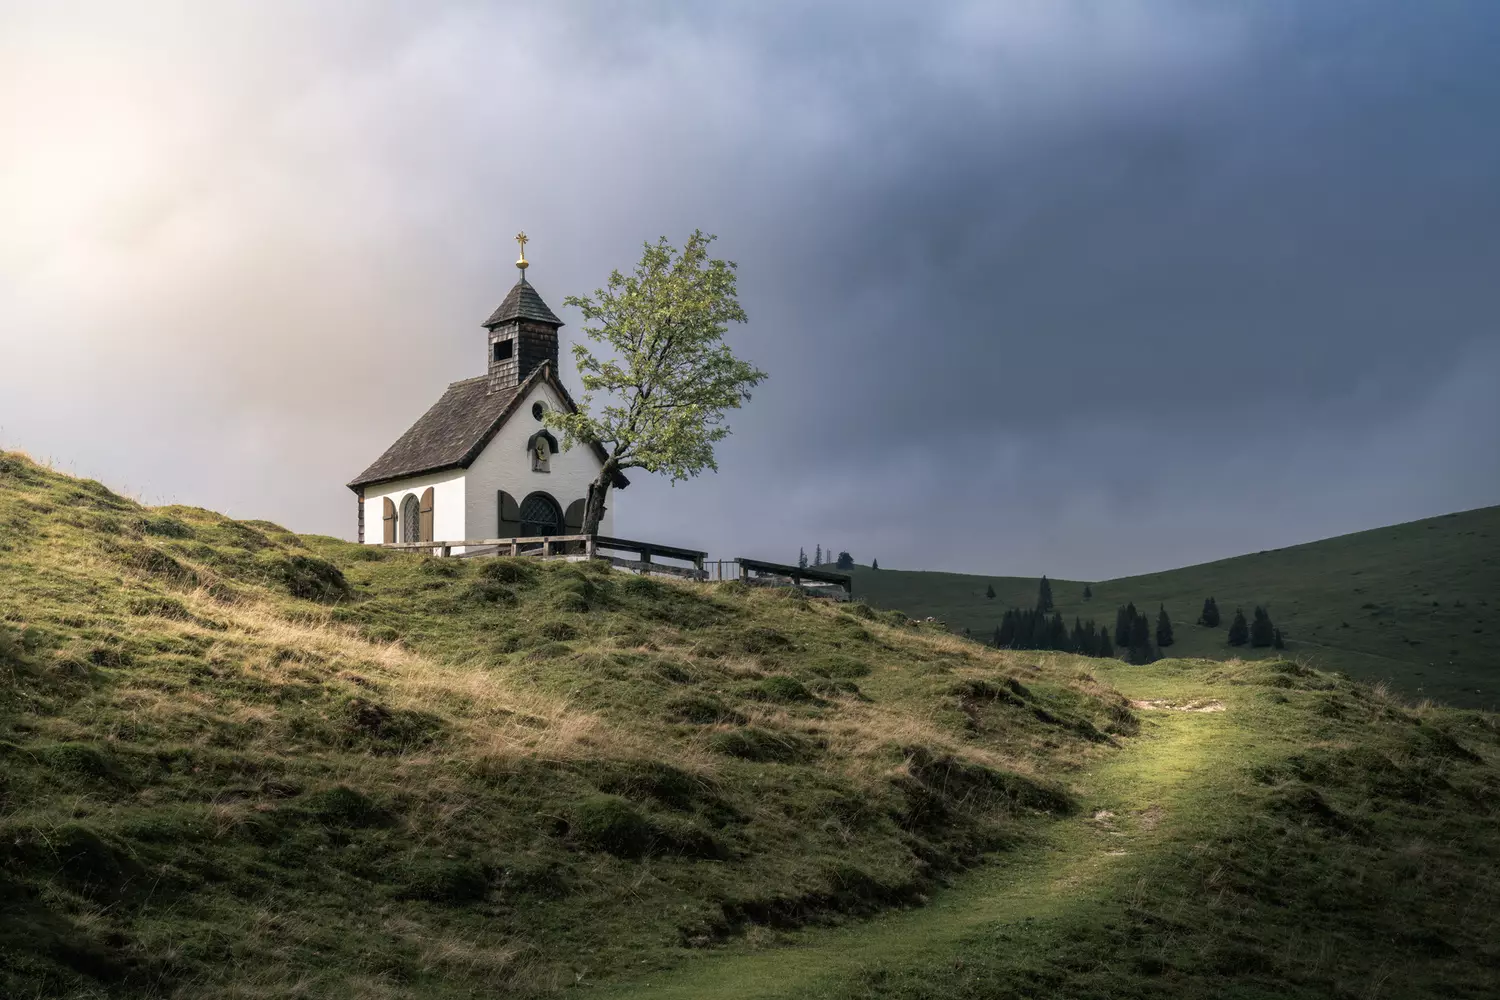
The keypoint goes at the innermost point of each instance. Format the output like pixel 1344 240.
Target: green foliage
pixel 1262 632
pixel 656 398
pixel 989 591
pixel 1239 631
pixel 1209 618
pixel 1163 628
pixel 1044 596
pixel 844 562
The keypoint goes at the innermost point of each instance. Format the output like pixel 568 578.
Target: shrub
pixel 306 577
pixel 441 880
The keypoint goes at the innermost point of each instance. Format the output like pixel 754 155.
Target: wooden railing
pixel 645 558
pixel 754 571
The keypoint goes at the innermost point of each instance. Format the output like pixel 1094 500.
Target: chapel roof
pixel 522 302
pixel 455 429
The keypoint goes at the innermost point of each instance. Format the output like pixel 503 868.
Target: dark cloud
pixel 1082 289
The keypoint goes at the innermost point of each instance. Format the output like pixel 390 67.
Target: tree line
pixel 821 557
pixel 1133 638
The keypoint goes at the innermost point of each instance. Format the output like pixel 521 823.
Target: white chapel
pixel 480 464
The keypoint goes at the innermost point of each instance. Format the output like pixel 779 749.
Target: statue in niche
pixel 540 455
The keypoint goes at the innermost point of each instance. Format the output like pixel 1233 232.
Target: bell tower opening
pixel 522 332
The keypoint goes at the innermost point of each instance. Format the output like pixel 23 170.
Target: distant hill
pixel 1416 605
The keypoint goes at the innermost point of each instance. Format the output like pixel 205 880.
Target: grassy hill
pixel 1415 605
pixel 238 762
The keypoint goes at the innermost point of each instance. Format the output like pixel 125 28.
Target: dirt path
pixel 1128 802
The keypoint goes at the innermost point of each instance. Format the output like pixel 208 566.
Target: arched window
pixel 540 515
pixel 411 519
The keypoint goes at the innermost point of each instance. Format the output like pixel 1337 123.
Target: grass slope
pixel 1416 605
pixel 236 762
pixel 241 763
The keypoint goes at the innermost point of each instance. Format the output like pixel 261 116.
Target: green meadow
pixel 237 762
pixel 1414 605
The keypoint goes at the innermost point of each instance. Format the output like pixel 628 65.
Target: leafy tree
pixel 1088 592
pixel 802 558
pixel 1239 632
pixel 989 591
pixel 1210 616
pixel 1163 628
pixel 846 561
pixel 874 563
pixel 667 378
pixel 1262 632
pixel 1044 596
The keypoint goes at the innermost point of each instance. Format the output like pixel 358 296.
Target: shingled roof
pixel 522 302
pixel 455 430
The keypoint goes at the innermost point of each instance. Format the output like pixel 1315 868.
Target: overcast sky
pixel 1086 289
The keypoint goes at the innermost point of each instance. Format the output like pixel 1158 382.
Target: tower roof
pixel 522 302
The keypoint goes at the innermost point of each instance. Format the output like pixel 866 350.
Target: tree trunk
pixel 594 511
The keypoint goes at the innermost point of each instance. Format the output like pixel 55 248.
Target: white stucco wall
pixel 448 509
pixel 505 464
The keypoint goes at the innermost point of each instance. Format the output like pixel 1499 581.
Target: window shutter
pixel 510 515
pixel 427 515
pixel 390 521
pixel 574 517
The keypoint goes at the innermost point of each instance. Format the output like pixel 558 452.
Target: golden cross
pixel 522 239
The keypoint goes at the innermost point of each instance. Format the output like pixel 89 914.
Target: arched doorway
pixel 540 515
pixel 411 519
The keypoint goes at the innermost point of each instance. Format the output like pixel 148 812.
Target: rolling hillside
pixel 1416 605
pixel 236 762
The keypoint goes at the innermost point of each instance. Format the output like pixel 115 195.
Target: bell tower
pixel 522 332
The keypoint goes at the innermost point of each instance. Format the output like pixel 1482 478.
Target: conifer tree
pixel 874 563
pixel 1124 622
pixel 1088 592
pixel 990 591
pixel 1210 616
pixel 1163 628
pixel 1239 632
pixel 1277 642
pixel 1140 641
pixel 802 558
pixel 1105 647
pixel 1262 632
pixel 846 561
pixel 818 556
pixel 1044 597
pixel 1005 632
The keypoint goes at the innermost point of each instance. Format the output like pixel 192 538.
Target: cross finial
pixel 522 239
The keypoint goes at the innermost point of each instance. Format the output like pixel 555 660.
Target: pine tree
pixel 1262 632
pixel 1124 622
pixel 802 558
pixel 1210 616
pixel 1239 632
pixel 1105 647
pixel 1163 628
pixel 846 561
pixel 990 591
pixel 1005 632
pixel 874 563
pixel 818 556
pixel 1277 642
pixel 1044 596
pixel 1088 592
pixel 1140 641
